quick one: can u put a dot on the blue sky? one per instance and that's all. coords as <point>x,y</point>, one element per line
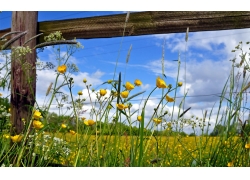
<point>207,56</point>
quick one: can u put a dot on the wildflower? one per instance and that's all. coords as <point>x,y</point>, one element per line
<point>121,106</point>
<point>247,146</point>
<point>84,80</point>
<point>16,138</point>
<point>124,94</point>
<point>37,124</point>
<point>157,121</point>
<point>72,132</point>
<point>1,94</point>
<point>63,126</point>
<point>179,84</point>
<point>89,122</point>
<point>110,81</point>
<point>129,86</point>
<point>230,164</point>
<point>137,82</point>
<point>160,83</point>
<point>139,118</point>
<point>169,99</point>
<point>62,69</point>
<point>103,92</point>
<point>79,93</point>
<point>37,115</point>
<point>6,136</point>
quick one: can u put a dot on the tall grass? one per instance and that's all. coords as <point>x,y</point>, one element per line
<point>110,138</point>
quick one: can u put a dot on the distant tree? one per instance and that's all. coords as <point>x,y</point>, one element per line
<point>192,134</point>
<point>218,130</point>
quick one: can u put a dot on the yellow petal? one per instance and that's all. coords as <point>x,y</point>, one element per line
<point>169,99</point>
<point>103,92</point>
<point>157,121</point>
<point>160,83</point>
<point>62,69</point>
<point>129,86</point>
<point>137,82</point>
<point>124,94</point>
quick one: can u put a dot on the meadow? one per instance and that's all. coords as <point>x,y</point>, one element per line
<point>110,137</point>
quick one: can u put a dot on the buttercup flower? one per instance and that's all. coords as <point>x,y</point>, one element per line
<point>84,80</point>
<point>62,69</point>
<point>138,82</point>
<point>89,122</point>
<point>79,93</point>
<point>63,126</point>
<point>72,132</point>
<point>160,83</point>
<point>230,164</point>
<point>121,106</point>
<point>139,118</point>
<point>247,146</point>
<point>169,99</point>
<point>110,81</point>
<point>16,138</point>
<point>129,86</point>
<point>157,121</point>
<point>179,84</point>
<point>6,136</point>
<point>103,92</point>
<point>37,124</point>
<point>124,94</point>
<point>37,115</point>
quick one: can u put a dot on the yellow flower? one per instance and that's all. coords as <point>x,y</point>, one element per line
<point>37,115</point>
<point>110,81</point>
<point>103,92</point>
<point>160,83</point>
<point>72,132</point>
<point>230,164</point>
<point>139,118</point>
<point>6,136</point>
<point>138,82</point>
<point>89,122</point>
<point>1,94</point>
<point>129,86</point>
<point>37,124</point>
<point>79,93</point>
<point>84,80</point>
<point>169,125</point>
<point>157,121</point>
<point>121,106</point>
<point>62,69</point>
<point>179,84</point>
<point>124,94</point>
<point>63,126</point>
<point>16,138</point>
<point>169,99</point>
<point>247,146</point>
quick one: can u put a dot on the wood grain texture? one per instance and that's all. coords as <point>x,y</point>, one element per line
<point>144,23</point>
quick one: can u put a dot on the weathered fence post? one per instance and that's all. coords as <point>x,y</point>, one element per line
<point>23,73</point>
